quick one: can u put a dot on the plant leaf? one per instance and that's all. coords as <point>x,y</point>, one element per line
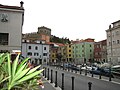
<point>14,65</point>
<point>30,76</point>
<point>20,70</point>
<point>1,77</point>
<point>1,58</point>
<point>4,79</point>
<point>9,67</point>
<point>32,70</point>
<point>23,62</point>
<point>21,74</point>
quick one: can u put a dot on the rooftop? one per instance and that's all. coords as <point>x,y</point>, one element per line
<point>13,7</point>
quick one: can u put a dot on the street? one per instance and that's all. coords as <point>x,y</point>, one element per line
<point>81,81</point>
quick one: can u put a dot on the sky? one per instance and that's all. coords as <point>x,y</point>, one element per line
<point>74,19</point>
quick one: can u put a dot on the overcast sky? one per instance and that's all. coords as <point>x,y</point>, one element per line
<point>74,19</point>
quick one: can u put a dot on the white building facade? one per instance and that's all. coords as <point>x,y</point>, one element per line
<point>38,52</point>
<point>11,22</point>
<point>113,43</point>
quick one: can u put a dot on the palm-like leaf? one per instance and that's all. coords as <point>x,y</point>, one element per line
<point>15,74</point>
<point>20,72</point>
<point>9,67</point>
<point>14,65</point>
<point>32,70</point>
<point>27,77</point>
<point>22,63</point>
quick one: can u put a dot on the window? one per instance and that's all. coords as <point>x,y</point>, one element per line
<point>4,38</point>
<point>82,50</point>
<point>29,47</point>
<point>29,53</point>
<point>36,48</point>
<point>69,50</point>
<point>90,55</point>
<point>44,54</point>
<point>52,55</point>
<point>90,45</point>
<point>69,55</point>
<point>117,32</point>
<point>90,50</point>
<point>76,46</point>
<point>118,42</point>
<point>82,45</point>
<point>36,54</point>
<point>113,42</point>
<point>44,59</point>
<point>44,48</point>
<point>69,45</point>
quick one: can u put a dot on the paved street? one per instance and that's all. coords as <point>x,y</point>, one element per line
<point>81,81</point>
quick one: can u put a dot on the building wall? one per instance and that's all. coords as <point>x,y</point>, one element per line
<point>69,52</point>
<point>113,43</point>
<point>97,51</point>
<point>13,27</point>
<point>77,53</point>
<point>41,54</point>
<point>82,51</point>
<point>100,51</point>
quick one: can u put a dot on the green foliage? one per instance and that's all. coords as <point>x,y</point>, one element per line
<point>59,40</point>
<point>15,75</point>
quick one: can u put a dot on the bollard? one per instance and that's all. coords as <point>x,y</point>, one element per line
<point>62,81</point>
<point>89,85</point>
<point>92,74</point>
<point>51,76</point>
<point>75,71</point>
<point>48,74</point>
<point>85,72</point>
<point>110,74</point>
<point>71,70</point>
<point>100,76</point>
<point>72,83</point>
<point>80,70</point>
<point>55,78</point>
<point>45,72</point>
<point>68,69</point>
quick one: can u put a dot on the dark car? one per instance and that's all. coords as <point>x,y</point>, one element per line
<point>101,71</point>
<point>74,67</point>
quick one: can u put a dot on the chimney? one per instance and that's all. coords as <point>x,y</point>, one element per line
<point>21,4</point>
<point>109,26</point>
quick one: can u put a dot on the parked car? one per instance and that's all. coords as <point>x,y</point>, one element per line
<point>74,67</point>
<point>101,71</point>
<point>116,71</point>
